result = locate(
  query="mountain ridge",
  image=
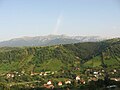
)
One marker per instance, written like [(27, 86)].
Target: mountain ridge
[(49, 40)]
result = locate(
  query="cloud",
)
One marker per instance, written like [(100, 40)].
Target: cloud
[(59, 20)]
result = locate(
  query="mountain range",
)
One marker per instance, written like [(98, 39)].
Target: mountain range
[(49, 40)]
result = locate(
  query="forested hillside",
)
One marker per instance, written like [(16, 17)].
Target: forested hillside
[(36, 59)]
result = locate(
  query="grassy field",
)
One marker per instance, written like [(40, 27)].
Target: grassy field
[(95, 62), (52, 65)]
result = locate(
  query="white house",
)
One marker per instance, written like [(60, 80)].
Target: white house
[(49, 83), (68, 82), (78, 78), (60, 84)]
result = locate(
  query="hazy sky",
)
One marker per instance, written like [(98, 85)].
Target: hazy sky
[(71, 17)]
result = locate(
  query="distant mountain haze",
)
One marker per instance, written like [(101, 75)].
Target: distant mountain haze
[(49, 40)]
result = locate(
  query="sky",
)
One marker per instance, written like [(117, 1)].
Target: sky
[(20, 18)]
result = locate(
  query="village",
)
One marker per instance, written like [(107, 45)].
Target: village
[(58, 79)]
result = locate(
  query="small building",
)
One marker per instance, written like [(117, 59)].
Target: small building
[(115, 70), (49, 82), (103, 71), (78, 78), (41, 73), (67, 82), (10, 75), (95, 73), (49, 85), (45, 74), (53, 73), (60, 84), (115, 79)]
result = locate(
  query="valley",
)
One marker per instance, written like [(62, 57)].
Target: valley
[(77, 65)]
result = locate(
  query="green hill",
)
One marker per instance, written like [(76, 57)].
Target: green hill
[(57, 57)]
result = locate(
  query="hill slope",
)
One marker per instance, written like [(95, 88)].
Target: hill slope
[(88, 54)]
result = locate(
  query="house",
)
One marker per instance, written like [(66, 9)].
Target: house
[(19, 75), (103, 71), (112, 72), (100, 74), (78, 78), (115, 70), (60, 84), (67, 82), (41, 73), (45, 74), (49, 85), (115, 79), (48, 72), (95, 73), (10, 75), (53, 73), (32, 74)]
